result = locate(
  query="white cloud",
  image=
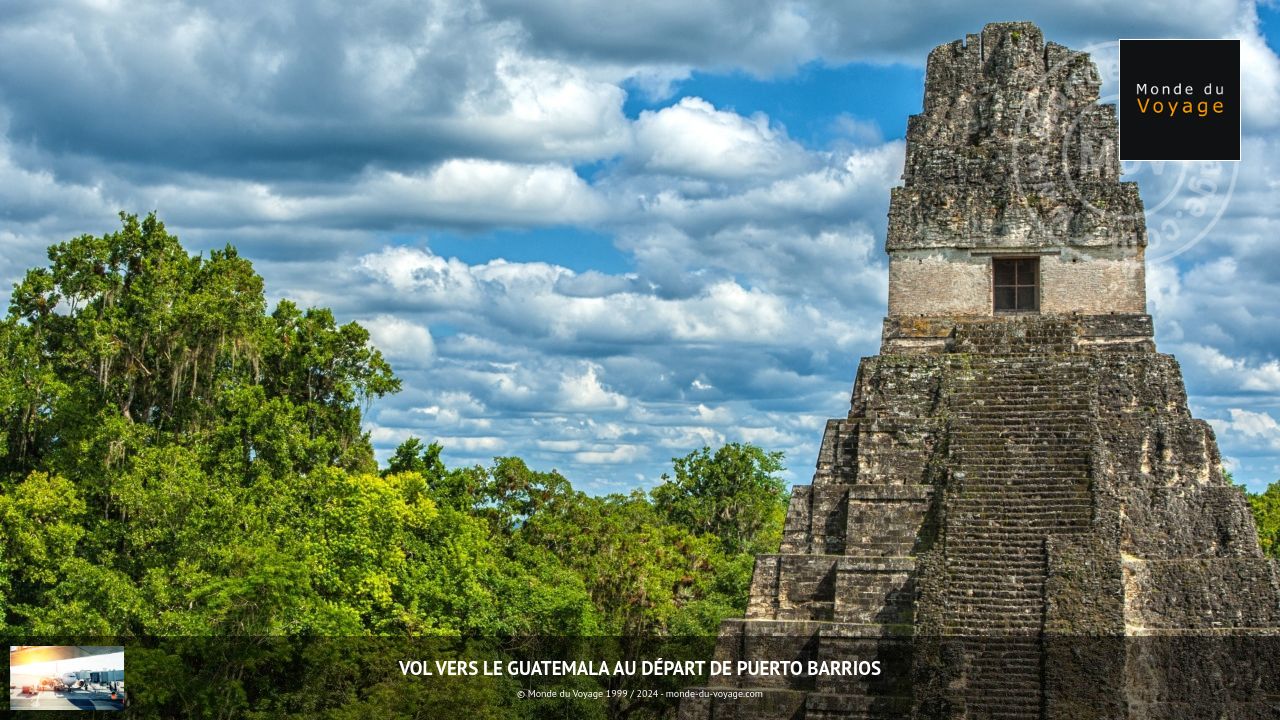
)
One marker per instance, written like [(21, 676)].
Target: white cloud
[(712, 416), (1255, 428), (459, 190), (1260, 377), (619, 455), (747, 271), (548, 102), (1259, 76), (583, 392), (481, 444), (487, 191), (844, 187), (400, 339), (559, 446), (694, 138)]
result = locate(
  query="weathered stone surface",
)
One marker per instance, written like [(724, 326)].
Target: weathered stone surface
[(1019, 517)]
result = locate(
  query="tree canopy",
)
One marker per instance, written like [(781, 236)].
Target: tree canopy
[(1266, 513), (178, 460)]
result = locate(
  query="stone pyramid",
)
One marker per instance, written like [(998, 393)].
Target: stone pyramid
[(1019, 517)]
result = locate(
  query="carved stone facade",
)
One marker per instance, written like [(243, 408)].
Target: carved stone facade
[(1013, 156), (1019, 517)]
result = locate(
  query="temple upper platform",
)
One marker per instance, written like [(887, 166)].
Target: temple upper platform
[(1011, 202)]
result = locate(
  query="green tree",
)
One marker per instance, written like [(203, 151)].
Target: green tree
[(412, 456), (1266, 513), (178, 463), (733, 494)]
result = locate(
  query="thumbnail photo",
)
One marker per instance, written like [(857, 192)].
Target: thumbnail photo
[(66, 677)]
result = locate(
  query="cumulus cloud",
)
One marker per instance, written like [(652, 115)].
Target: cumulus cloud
[(581, 392), (694, 138), (294, 88), (1254, 439), (1259, 75), (1256, 425), (351, 156), (1259, 377), (400, 339), (619, 455), (768, 37)]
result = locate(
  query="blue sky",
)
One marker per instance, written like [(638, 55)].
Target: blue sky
[(591, 235)]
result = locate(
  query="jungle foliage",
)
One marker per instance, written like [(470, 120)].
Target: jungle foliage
[(184, 468)]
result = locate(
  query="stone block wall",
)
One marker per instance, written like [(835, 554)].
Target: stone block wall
[(956, 282)]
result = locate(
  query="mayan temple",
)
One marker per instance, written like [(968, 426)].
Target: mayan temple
[(1019, 518)]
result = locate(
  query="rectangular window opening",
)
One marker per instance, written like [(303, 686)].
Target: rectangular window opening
[(1016, 285)]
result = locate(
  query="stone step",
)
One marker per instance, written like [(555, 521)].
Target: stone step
[(994, 600), (1008, 689), (983, 699), (997, 577), (826, 706), (996, 397), (1044, 459), (986, 512), (1024, 407), (1005, 582), (1005, 577), (1019, 483), (958, 538), (1014, 501), (965, 621), (1025, 531), (969, 539), (1014, 470), (1004, 495), (991, 565), (1020, 489), (1075, 369), (1011, 476), (994, 566), (977, 537), (1009, 491), (1000, 622), (1011, 380), (1016, 493), (1017, 668), (1043, 451), (1061, 488), (979, 518), (999, 580), (1028, 398), (993, 417), (1027, 402), (1012, 498), (1016, 505), (1011, 444), (1016, 596), (1071, 431), (999, 625), (1015, 447), (1028, 479)]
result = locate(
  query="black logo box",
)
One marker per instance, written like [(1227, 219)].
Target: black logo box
[(1187, 68)]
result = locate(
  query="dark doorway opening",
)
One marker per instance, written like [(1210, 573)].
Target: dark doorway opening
[(1017, 285)]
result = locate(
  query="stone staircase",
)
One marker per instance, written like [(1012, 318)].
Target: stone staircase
[(1019, 460)]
